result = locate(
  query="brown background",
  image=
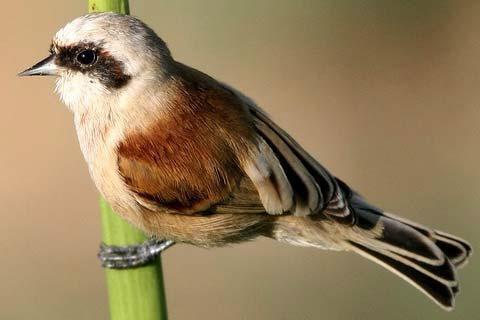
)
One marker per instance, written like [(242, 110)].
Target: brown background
[(384, 93)]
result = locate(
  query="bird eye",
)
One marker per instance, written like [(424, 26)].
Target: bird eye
[(87, 57)]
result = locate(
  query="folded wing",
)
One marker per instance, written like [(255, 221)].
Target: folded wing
[(216, 151)]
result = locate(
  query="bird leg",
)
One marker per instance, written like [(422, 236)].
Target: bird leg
[(117, 257)]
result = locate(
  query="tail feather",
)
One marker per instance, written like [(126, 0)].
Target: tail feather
[(400, 238), (442, 294), (457, 250), (425, 258)]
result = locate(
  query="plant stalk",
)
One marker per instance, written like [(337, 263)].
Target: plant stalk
[(133, 293)]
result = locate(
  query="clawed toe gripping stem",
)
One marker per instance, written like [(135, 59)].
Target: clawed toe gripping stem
[(117, 257)]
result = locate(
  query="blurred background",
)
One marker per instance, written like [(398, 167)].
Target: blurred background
[(384, 93)]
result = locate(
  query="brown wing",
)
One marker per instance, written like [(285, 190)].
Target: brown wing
[(186, 159), (315, 190), (217, 151)]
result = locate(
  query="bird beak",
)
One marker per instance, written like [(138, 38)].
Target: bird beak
[(46, 67)]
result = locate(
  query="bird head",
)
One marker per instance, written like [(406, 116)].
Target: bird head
[(100, 56)]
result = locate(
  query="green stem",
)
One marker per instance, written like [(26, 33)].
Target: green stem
[(133, 293), (120, 6)]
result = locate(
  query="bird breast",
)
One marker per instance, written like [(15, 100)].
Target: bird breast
[(98, 137)]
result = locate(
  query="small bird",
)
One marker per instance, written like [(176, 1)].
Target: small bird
[(189, 159)]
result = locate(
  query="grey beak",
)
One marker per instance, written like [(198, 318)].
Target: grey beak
[(46, 67)]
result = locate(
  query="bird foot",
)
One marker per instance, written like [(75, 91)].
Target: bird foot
[(116, 257)]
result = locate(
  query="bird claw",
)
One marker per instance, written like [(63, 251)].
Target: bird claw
[(117, 257)]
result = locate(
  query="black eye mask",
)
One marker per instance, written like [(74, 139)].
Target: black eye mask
[(95, 61)]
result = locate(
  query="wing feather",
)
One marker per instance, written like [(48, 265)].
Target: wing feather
[(331, 193), (219, 152), (308, 197)]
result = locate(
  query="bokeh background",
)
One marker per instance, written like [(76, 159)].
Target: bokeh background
[(384, 93)]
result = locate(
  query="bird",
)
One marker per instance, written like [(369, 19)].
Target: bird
[(189, 159)]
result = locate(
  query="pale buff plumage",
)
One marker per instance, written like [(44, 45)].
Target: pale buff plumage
[(185, 157)]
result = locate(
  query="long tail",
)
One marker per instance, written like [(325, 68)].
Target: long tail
[(426, 258)]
